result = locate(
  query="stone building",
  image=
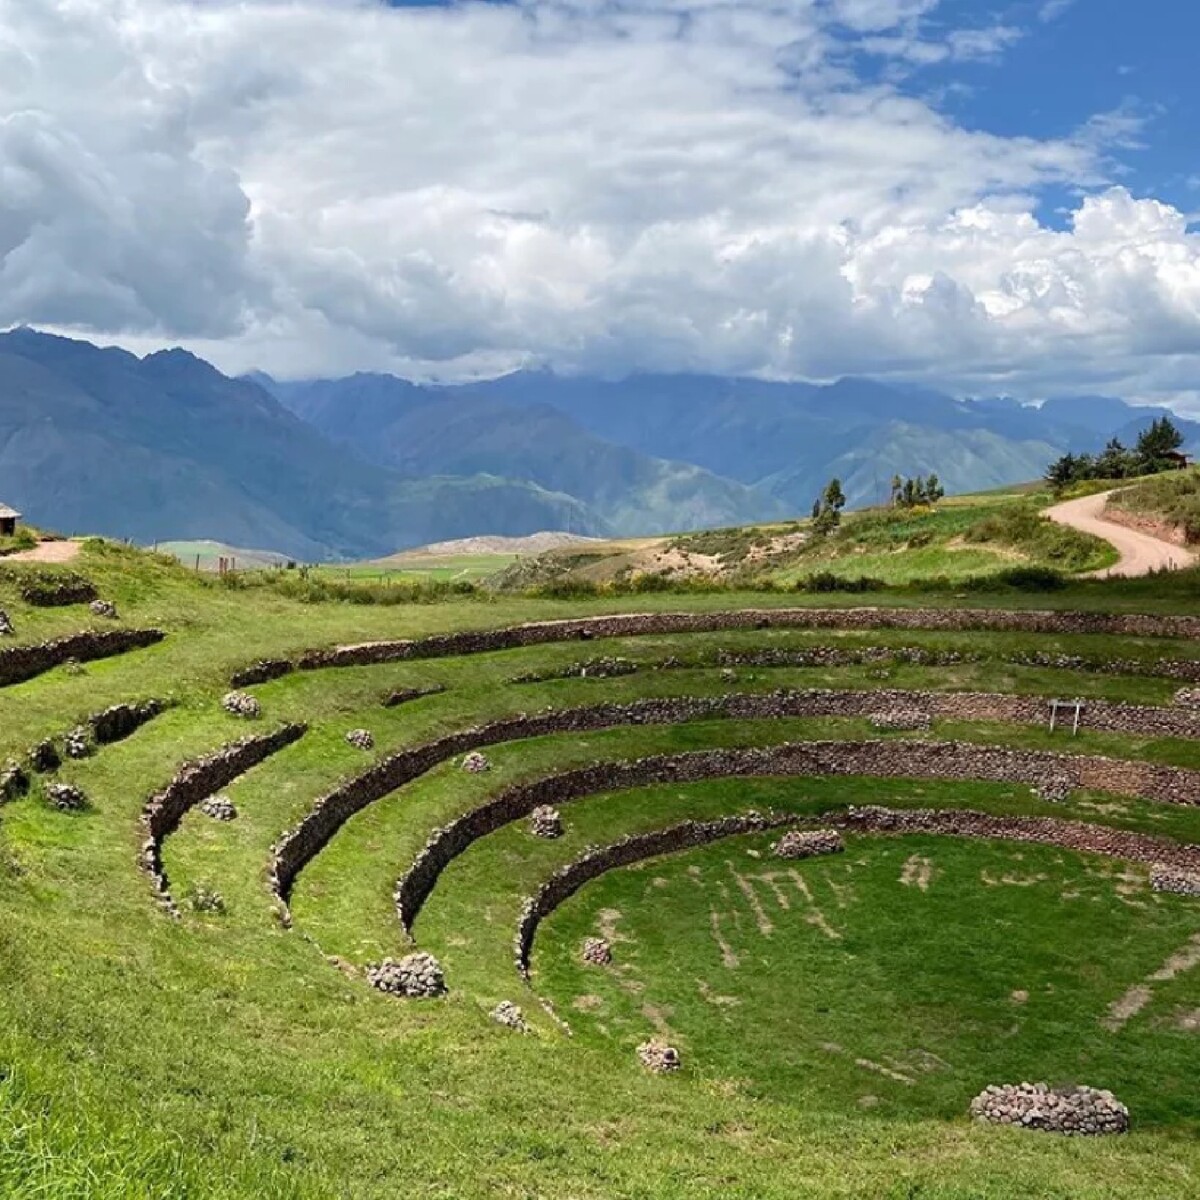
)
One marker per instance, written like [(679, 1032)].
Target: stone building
[(8, 520)]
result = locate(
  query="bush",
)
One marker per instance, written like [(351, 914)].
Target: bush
[(827, 581)]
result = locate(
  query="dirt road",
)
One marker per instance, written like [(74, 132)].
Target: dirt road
[(46, 552), (1139, 552)]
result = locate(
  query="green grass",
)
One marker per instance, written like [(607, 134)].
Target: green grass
[(223, 1056), (1173, 498)]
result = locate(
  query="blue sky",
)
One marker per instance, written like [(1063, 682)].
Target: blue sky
[(984, 197)]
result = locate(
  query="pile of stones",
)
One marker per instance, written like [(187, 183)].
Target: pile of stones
[(476, 763), (14, 782), (45, 757), (241, 704), (808, 843), (205, 900), (66, 797), (546, 822), (1188, 695), (219, 808), (900, 719), (597, 951), (6, 625), (103, 608), (361, 739), (77, 743), (510, 1016), (417, 975), (658, 1057), (1081, 1111), (1175, 881), (1054, 790)]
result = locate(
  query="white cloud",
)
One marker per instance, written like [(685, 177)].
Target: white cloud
[(323, 185)]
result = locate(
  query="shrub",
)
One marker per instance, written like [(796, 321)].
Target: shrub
[(827, 581)]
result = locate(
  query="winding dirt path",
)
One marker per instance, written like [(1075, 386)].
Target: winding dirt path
[(47, 552), (1139, 552)]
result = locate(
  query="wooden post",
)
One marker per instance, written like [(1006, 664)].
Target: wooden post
[(1053, 714)]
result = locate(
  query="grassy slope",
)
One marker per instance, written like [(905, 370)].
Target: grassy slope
[(221, 1057), (1173, 498)]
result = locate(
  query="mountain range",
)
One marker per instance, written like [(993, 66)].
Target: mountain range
[(165, 446)]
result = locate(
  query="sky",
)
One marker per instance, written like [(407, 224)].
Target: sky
[(987, 196)]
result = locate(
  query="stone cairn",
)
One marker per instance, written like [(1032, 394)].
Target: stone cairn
[(1081, 1111), (6, 625), (14, 781), (219, 808), (361, 739), (1054, 790), (510, 1016), (417, 975), (103, 608), (77, 743), (241, 704), (808, 843), (546, 822), (45, 757), (66, 797), (476, 763), (597, 951), (1174, 881), (658, 1057)]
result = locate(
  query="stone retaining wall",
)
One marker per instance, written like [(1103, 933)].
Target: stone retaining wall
[(539, 633), (565, 882), (298, 846), (19, 663), (120, 720), (877, 759), (194, 782), (1070, 835)]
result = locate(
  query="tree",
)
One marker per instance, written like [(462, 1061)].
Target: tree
[(897, 486), (1061, 473), (1155, 444), (910, 493), (933, 489), (834, 497), (1115, 462)]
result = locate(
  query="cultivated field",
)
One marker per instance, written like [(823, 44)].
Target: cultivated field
[(187, 1010)]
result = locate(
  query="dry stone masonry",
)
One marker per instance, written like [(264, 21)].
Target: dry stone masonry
[(546, 822), (19, 663), (900, 758), (597, 952), (596, 861), (808, 843), (118, 722), (219, 808), (77, 743), (44, 757), (510, 1016), (195, 782), (361, 739), (14, 781), (418, 976), (1175, 881), (408, 695), (298, 846), (539, 633), (65, 797), (241, 704), (57, 589), (1078, 1111), (658, 1057)]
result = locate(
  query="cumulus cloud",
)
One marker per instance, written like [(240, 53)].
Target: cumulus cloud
[(324, 185)]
